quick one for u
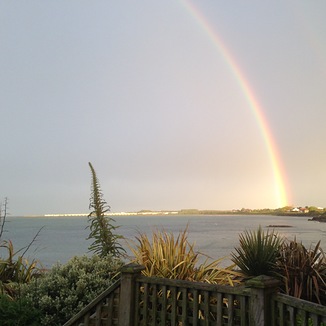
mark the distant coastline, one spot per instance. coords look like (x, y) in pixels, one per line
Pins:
(313, 213)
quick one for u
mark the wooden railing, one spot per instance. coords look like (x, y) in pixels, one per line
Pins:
(162, 301)
(287, 310)
(139, 300)
(103, 310)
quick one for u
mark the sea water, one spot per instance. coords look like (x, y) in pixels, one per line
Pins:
(57, 239)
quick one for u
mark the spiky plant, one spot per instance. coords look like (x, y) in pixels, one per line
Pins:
(303, 271)
(175, 258)
(257, 253)
(14, 270)
(105, 241)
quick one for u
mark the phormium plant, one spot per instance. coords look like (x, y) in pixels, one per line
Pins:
(175, 258)
(15, 269)
(303, 271)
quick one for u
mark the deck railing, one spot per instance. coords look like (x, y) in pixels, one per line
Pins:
(139, 300)
(104, 310)
(162, 301)
(287, 310)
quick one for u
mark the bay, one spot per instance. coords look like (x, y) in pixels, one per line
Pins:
(216, 236)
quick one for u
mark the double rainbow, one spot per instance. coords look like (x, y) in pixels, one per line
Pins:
(281, 195)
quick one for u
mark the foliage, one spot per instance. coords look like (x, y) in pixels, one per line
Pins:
(14, 271)
(14, 268)
(18, 312)
(174, 258)
(303, 271)
(101, 227)
(257, 253)
(66, 289)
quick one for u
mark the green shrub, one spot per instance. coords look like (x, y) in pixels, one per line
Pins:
(66, 289)
(257, 253)
(18, 312)
(303, 271)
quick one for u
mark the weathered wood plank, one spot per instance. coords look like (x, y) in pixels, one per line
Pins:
(164, 305)
(206, 307)
(173, 302)
(304, 317)
(109, 311)
(291, 315)
(195, 307)
(301, 304)
(145, 304)
(98, 314)
(184, 306)
(154, 303)
(230, 309)
(219, 308)
(137, 302)
(238, 289)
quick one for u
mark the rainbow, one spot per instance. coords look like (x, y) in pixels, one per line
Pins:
(281, 194)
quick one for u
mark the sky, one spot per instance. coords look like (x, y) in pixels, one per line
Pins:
(177, 104)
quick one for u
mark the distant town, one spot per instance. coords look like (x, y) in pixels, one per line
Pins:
(312, 211)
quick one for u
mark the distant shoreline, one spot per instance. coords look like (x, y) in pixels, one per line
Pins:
(187, 212)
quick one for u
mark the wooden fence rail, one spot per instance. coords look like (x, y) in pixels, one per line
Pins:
(139, 300)
(103, 310)
(289, 311)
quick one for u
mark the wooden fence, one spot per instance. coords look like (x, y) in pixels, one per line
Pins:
(139, 300)
(287, 310)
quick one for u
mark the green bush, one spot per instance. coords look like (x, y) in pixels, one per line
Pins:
(66, 289)
(258, 252)
(18, 312)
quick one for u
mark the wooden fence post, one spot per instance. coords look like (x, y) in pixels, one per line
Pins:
(261, 289)
(127, 293)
